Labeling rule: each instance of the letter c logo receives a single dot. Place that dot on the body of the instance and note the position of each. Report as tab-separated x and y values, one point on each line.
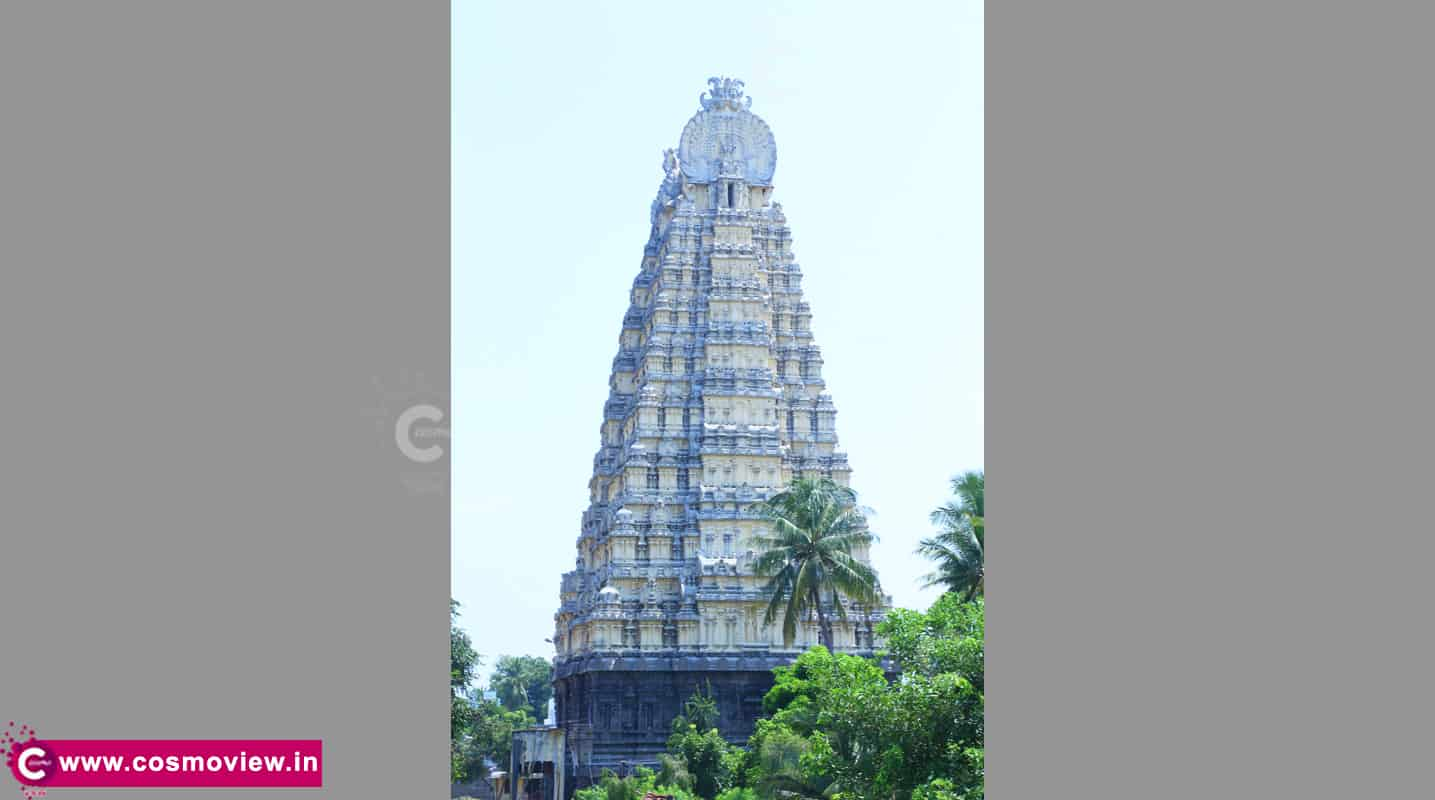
22	763
403	433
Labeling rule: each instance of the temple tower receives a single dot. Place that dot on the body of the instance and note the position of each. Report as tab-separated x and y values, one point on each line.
716	402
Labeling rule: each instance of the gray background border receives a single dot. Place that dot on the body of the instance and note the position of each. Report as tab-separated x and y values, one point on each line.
225	272
1209	399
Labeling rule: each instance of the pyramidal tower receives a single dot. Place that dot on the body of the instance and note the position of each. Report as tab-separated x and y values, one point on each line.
716	403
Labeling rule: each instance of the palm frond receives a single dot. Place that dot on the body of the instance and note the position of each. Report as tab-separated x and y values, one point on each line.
814	527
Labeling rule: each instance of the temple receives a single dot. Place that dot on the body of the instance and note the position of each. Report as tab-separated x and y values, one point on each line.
716	402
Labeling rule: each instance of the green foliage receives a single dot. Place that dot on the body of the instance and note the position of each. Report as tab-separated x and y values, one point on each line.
704	754
700	710
773	763
959	548
837	726
611	787
949	637
481	731
883	742
947	789
673	771
462	766
462	659
798	691
463	662
698	758
488	737
808	555
523	683
632	787
734	766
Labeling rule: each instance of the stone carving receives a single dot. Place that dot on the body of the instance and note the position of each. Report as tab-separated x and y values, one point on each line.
724	94
711	409
670	192
726	123
729	163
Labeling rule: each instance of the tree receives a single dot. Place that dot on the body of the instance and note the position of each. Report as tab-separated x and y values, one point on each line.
489	738
704	756
837	726
876	739
481	731
673	771
630	787
700	710
949	637
523	683
773	763
462	659
463	662
800	689
816	524
883	740
700	758
959	547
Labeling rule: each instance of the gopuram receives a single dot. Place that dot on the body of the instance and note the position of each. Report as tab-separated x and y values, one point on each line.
716	403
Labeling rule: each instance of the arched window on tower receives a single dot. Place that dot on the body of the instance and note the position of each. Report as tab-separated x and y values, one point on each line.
731	194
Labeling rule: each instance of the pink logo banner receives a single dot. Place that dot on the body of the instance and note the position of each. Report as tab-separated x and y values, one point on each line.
167	763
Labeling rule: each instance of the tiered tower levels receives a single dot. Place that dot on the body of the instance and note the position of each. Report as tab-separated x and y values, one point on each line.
716	402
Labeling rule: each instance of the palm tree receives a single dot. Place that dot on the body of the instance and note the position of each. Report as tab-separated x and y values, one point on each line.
960	546
523	683
782	776
815	526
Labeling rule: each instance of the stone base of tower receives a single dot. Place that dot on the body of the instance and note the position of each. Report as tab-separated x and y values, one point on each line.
617	711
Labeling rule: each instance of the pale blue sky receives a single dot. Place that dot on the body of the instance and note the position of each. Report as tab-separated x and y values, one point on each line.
560	116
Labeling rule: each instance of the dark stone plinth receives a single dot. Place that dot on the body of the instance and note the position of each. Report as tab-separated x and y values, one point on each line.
618	710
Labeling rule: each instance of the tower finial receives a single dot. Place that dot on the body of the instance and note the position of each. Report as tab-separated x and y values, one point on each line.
725	94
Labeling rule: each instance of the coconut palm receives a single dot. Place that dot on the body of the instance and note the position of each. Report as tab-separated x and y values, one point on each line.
959	549
816	524
781	775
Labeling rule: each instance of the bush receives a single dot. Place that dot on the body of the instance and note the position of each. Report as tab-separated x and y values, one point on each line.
705	755
837	727
633	787
673	771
